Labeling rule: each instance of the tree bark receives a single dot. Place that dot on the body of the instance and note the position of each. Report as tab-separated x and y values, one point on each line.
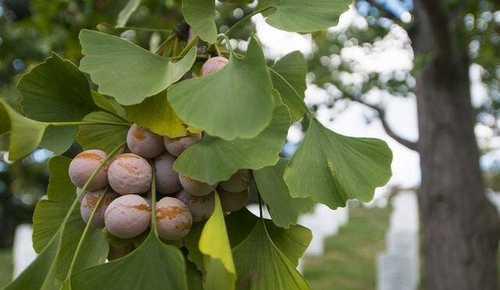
460	227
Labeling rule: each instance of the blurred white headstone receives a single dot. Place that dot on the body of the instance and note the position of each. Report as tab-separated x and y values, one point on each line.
398	267
23	252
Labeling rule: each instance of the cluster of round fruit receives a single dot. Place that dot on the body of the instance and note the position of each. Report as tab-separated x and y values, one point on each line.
118	190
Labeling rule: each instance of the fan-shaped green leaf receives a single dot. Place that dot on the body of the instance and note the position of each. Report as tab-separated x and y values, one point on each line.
102	136
214	159
126	71
25	134
293	241
153	265
283	208
58	139
109	105
235	102
194	277
126	12
300	16
50	212
55	91
156	114
289	78
200	15
217	259
4	119
332	168
261	265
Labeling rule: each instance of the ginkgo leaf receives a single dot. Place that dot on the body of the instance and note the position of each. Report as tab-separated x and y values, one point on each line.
156	114
235	102
27	135
214	159
126	71
102	136
261	265
292	242
58	139
300	16
50	212
283	208
4	119
289	78
109	105
153	265
126	12
200	15
55	91
332	168
194	277
217	256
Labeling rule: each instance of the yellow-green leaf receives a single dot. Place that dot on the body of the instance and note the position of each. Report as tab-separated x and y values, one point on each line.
156	114
214	244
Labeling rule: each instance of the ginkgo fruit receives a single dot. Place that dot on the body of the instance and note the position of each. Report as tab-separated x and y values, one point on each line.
127	216
213	65
167	180
144	142
238	182
233	201
100	199
83	166
130	174
201	207
173	218
195	187
176	146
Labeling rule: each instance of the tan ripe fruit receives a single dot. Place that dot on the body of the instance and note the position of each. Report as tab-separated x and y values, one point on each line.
167	180
82	167
130	174
233	201
201	207
213	65
176	146
90	201
238	182
195	187
143	142
174	219
127	216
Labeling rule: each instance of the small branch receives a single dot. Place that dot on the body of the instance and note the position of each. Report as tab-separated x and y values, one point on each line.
413	145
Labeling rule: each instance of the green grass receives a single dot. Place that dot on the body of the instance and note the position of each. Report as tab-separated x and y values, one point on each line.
5	267
349	261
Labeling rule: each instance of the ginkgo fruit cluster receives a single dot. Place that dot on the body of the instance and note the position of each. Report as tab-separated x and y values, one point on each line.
119	191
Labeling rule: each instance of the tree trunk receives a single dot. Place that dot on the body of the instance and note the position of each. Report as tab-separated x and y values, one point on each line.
460	226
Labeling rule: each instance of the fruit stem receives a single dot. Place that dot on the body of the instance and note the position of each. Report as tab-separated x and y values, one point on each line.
153	203
84	234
